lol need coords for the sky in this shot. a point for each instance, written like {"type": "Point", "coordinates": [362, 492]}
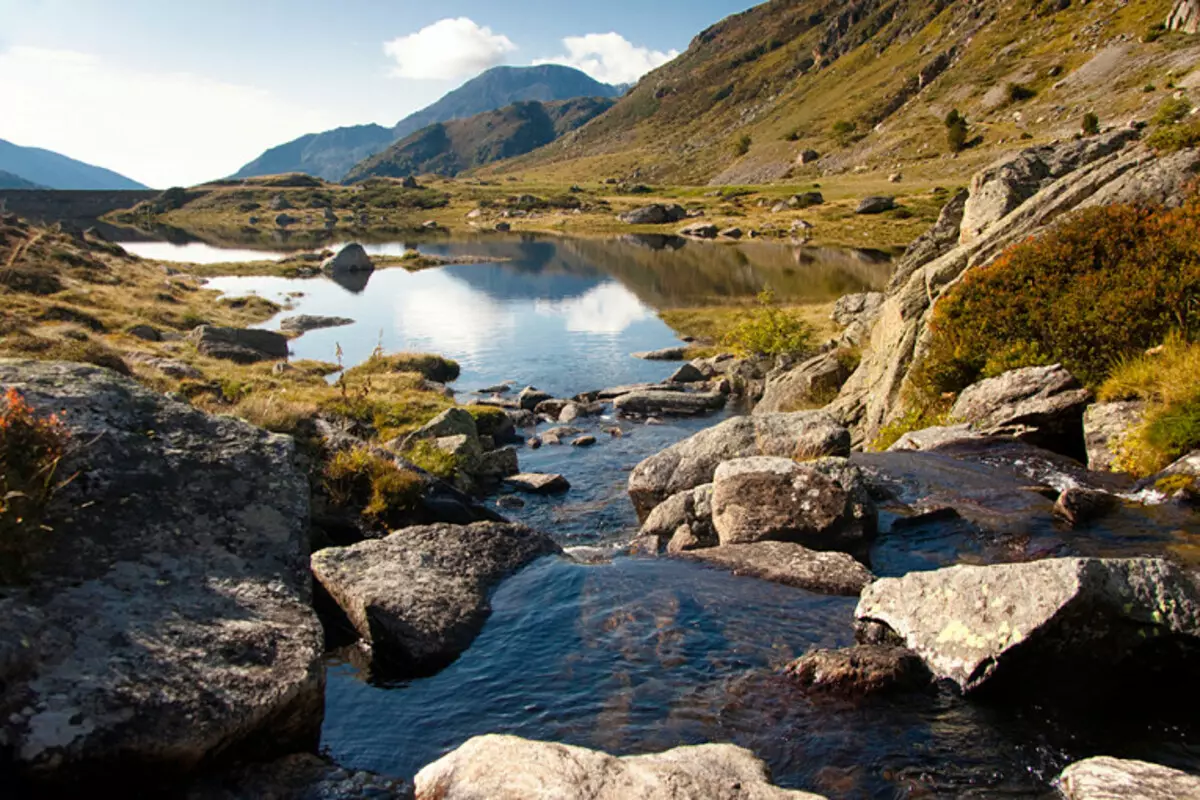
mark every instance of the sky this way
{"type": "Point", "coordinates": [172, 93]}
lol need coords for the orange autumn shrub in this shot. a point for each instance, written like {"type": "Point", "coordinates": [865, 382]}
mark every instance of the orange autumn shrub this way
{"type": "Point", "coordinates": [1103, 286]}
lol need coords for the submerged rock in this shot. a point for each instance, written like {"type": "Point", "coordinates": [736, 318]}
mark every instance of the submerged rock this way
{"type": "Point", "coordinates": [1106, 778]}
{"type": "Point", "coordinates": [790, 564]}
{"type": "Point", "coordinates": [420, 596]}
{"type": "Point", "coordinates": [1047, 626]}
{"type": "Point", "coordinates": [694, 461]}
{"type": "Point", "coordinates": [510, 768]}
{"type": "Point", "coordinates": [240, 345]}
{"type": "Point", "coordinates": [351, 258]}
{"type": "Point", "coordinates": [861, 670]}
{"type": "Point", "coordinates": [822, 504]}
{"type": "Point", "coordinates": [167, 618]}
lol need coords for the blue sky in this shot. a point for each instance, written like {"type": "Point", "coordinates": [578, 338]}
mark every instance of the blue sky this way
{"type": "Point", "coordinates": [177, 92]}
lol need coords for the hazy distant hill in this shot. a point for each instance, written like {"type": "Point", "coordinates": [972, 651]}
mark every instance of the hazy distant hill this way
{"type": "Point", "coordinates": [10, 181]}
{"type": "Point", "coordinates": [331, 154]}
{"type": "Point", "coordinates": [54, 171]}
{"type": "Point", "coordinates": [452, 147]}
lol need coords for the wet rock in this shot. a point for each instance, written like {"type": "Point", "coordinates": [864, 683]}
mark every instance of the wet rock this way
{"type": "Point", "coordinates": [656, 214]}
{"type": "Point", "coordinates": [1107, 778]}
{"type": "Point", "coordinates": [584, 441]}
{"type": "Point", "coordinates": [790, 564]}
{"type": "Point", "coordinates": [875, 205]}
{"type": "Point", "coordinates": [303, 776]}
{"type": "Point", "coordinates": [510, 768]}
{"type": "Point", "coordinates": [351, 258]}
{"type": "Point", "coordinates": [861, 670]}
{"type": "Point", "coordinates": [240, 345]}
{"type": "Point", "coordinates": [694, 461]}
{"type": "Point", "coordinates": [669, 403]}
{"type": "Point", "coordinates": [666, 354]}
{"type": "Point", "coordinates": [1180, 481]}
{"type": "Point", "coordinates": [536, 483]}
{"type": "Point", "coordinates": [167, 618]}
{"type": "Point", "coordinates": [551, 408]}
{"type": "Point", "coordinates": [1052, 626]}
{"type": "Point", "coordinates": [307, 322]}
{"type": "Point", "coordinates": [808, 384]}
{"type": "Point", "coordinates": [510, 501]}
{"type": "Point", "coordinates": [822, 504]}
{"type": "Point", "coordinates": [1079, 506]}
{"type": "Point", "coordinates": [1105, 426]}
{"type": "Point", "coordinates": [1040, 405]}
{"type": "Point", "coordinates": [700, 230]}
{"type": "Point", "coordinates": [531, 397]}
{"type": "Point", "coordinates": [420, 596]}
{"type": "Point", "coordinates": [690, 509]}
{"type": "Point", "coordinates": [688, 373]}
{"type": "Point", "coordinates": [614, 392]}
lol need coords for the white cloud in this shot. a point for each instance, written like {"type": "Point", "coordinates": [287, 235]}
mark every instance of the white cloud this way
{"type": "Point", "coordinates": [609, 57]}
{"type": "Point", "coordinates": [607, 309]}
{"type": "Point", "coordinates": [160, 128]}
{"type": "Point", "coordinates": [448, 49]}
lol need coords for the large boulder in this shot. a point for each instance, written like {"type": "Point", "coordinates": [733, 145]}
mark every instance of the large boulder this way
{"type": "Point", "coordinates": [500, 767]}
{"type": "Point", "coordinates": [823, 504]}
{"type": "Point", "coordinates": [860, 670]}
{"type": "Point", "coordinates": [420, 596]}
{"type": "Point", "coordinates": [351, 258]}
{"type": "Point", "coordinates": [656, 214]}
{"type": "Point", "coordinates": [694, 461]}
{"type": "Point", "coordinates": [240, 345]}
{"type": "Point", "coordinates": [701, 230]}
{"type": "Point", "coordinates": [1105, 426]}
{"type": "Point", "coordinates": [674, 404]}
{"type": "Point", "coordinates": [1047, 626]}
{"type": "Point", "coordinates": [875, 205]}
{"type": "Point", "coordinates": [166, 621]}
{"type": "Point", "coordinates": [681, 522]}
{"type": "Point", "coordinates": [789, 564]}
{"type": "Point", "coordinates": [812, 383]}
{"type": "Point", "coordinates": [1107, 778]}
{"type": "Point", "coordinates": [1040, 405]}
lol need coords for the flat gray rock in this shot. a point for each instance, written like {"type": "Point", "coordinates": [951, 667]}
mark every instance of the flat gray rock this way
{"type": "Point", "coordinates": [537, 483]}
{"type": "Point", "coordinates": [240, 345]}
{"type": "Point", "coordinates": [308, 322]}
{"type": "Point", "coordinates": [669, 403]}
{"type": "Point", "coordinates": [666, 354]}
{"type": "Point", "coordinates": [789, 564]}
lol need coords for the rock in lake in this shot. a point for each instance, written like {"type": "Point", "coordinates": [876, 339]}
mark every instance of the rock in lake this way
{"type": "Point", "coordinates": [530, 398]}
{"type": "Point", "coordinates": [351, 258]}
{"type": "Point", "coordinates": [823, 504]}
{"type": "Point", "coordinates": [1107, 778]}
{"type": "Point", "coordinates": [666, 354]}
{"type": "Point", "coordinates": [700, 230]}
{"type": "Point", "coordinates": [875, 205]}
{"type": "Point", "coordinates": [167, 620]}
{"type": "Point", "coordinates": [691, 509]}
{"type": "Point", "coordinates": [420, 596]}
{"type": "Point", "coordinates": [861, 670]}
{"type": "Point", "coordinates": [584, 441]}
{"type": "Point", "coordinates": [307, 322]}
{"type": "Point", "coordinates": [688, 373]}
{"type": "Point", "coordinates": [1052, 626]}
{"type": "Point", "coordinates": [499, 767]}
{"type": "Point", "coordinates": [789, 564]}
{"type": "Point", "coordinates": [535, 483]}
{"type": "Point", "coordinates": [645, 403]}
{"type": "Point", "coordinates": [240, 345]}
{"type": "Point", "coordinates": [694, 461]}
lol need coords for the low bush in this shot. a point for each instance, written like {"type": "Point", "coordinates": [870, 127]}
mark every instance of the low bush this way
{"type": "Point", "coordinates": [361, 478]}
{"type": "Point", "coordinates": [915, 419]}
{"type": "Point", "coordinates": [957, 129]}
{"type": "Point", "coordinates": [1090, 125]}
{"type": "Point", "coordinates": [432, 367]}
{"type": "Point", "coordinates": [434, 460]}
{"type": "Point", "coordinates": [1106, 284]}
{"type": "Point", "coordinates": [31, 447]}
{"type": "Point", "coordinates": [770, 331]}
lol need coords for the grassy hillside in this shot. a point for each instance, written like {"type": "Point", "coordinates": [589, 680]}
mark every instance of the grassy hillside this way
{"type": "Point", "coordinates": [452, 147]}
{"type": "Point", "coordinates": [756, 90]}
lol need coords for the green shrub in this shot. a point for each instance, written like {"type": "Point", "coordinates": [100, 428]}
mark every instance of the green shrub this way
{"type": "Point", "coordinates": [434, 460]}
{"type": "Point", "coordinates": [844, 132]}
{"type": "Point", "coordinates": [31, 448]}
{"type": "Point", "coordinates": [1090, 124]}
{"type": "Point", "coordinates": [1019, 92]}
{"type": "Point", "coordinates": [1171, 138]}
{"type": "Point", "coordinates": [957, 129]}
{"type": "Point", "coordinates": [770, 331]}
{"type": "Point", "coordinates": [431, 367]}
{"type": "Point", "coordinates": [361, 478]}
{"type": "Point", "coordinates": [1171, 111]}
{"type": "Point", "coordinates": [1106, 284]}
{"type": "Point", "coordinates": [743, 145]}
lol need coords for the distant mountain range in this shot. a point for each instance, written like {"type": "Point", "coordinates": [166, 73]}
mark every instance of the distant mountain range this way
{"type": "Point", "coordinates": [10, 181]}
{"type": "Point", "coordinates": [47, 169]}
{"type": "Point", "coordinates": [332, 154]}
{"type": "Point", "coordinates": [448, 148]}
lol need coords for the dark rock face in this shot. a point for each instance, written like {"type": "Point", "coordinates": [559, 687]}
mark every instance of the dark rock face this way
{"type": "Point", "coordinates": [168, 623]}
{"type": "Point", "coordinates": [1060, 625]}
{"type": "Point", "coordinates": [823, 504]}
{"type": "Point", "coordinates": [789, 564]}
{"type": "Point", "coordinates": [861, 670]}
{"type": "Point", "coordinates": [701, 230]}
{"type": "Point", "coordinates": [240, 345]}
{"type": "Point", "coordinates": [299, 777]}
{"type": "Point", "coordinates": [694, 461]}
{"type": "Point", "coordinates": [1079, 506]}
{"type": "Point", "coordinates": [1107, 778]}
{"type": "Point", "coordinates": [1040, 405]}
{"type": "Point", "coordinates": [420, 596]}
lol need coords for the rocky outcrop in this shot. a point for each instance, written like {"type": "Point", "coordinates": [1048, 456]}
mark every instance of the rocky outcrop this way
{"type": "Point", "coordinates": [302, 323]}
{"type": "Point", "coordinates": [420, 596]}
{"type": "Point", "coordinates": [167, 622]}
{"type": "Point", "coordinates": [510, 768]}
{"type": "Point", "coordinates": [681, 522]}
{"type": "Point", "coordinates": [860, 670]}
{"type": "Point", "coordinates": [899, 338]}
{"type": "Point", "coordinates": [808, 385]}
{"type": "Point", "coordinates": [856, 308]}
{"type": "Point", "coordinates": [1179, 482]}
{"type": "Point", "coordinates": [1185, 16]}
{"type": "Point", "coordinates": [694, 461]}
{"type": "Point", "coordinates": [351, 258]}
{"type": "Point", "coordinates": [673, 404]}
{"type": "Point", "coordinates": [1057, 625]}
{"type": "Point", "coordinates": [656, 214]}
{"type": "Point", "coordinates": [298, 777]}
{"type": "Point", "coordinates": [934, 243]}
{"type": "Point", "coordinates": [823, 504]}
{"type": "Point", "coordinates": [1040, 405]}
{"type": "Point", "coordinates": [240, 345]}
{"type": "Point", "coordinates": [1106, 778]}
{"type": "Point", "coordinates": [1105, 426]}
{"type": "Point", "coordinates": [790, 564]}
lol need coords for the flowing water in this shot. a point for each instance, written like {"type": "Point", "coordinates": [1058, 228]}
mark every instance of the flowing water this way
{"type": "Point", "coordinates": [637, 655]}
